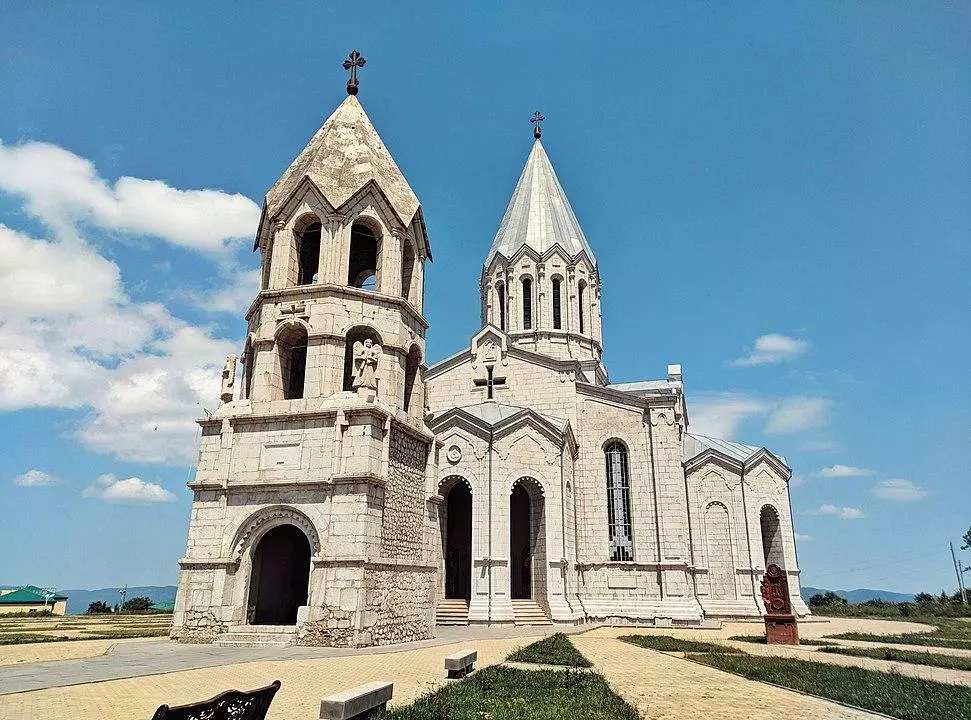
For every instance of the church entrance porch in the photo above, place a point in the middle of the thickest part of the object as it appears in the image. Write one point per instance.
(279, 578)
(527, 542)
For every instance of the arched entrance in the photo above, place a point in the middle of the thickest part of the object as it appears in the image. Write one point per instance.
(280, 576)
(527, 541)
(457, 542)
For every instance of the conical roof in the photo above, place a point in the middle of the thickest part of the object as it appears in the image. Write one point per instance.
(539, 216)
(341, 158)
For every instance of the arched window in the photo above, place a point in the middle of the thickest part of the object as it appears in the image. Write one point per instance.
(527, 303)
(557, 314)
(362, 268)
(308, 254)
(501, 302)
(581, 287)
(619, 525)
(412, 366)
(249, 361)
(772, 549)
(354, 335)
(407, 268)
(291, 345)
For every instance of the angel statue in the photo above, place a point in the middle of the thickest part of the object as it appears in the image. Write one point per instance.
(366, 356)
(228, 380)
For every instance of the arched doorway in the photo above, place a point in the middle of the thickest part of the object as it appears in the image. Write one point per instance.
(280, 576)
(457, 542)
(520, 547)
(773, 552)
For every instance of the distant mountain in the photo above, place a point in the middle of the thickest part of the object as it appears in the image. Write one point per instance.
(855, 597)
(78, 600)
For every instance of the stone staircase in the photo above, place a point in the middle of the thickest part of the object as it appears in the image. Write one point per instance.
(528, 612)
(267, 636)
(452, 612)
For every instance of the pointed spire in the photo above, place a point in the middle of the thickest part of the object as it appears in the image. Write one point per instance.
(539, 215)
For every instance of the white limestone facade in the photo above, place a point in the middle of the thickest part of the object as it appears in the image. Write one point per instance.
(348, 491)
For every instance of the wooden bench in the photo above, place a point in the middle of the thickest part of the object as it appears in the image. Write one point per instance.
(230, 705)
(460, 664)
(357, 703)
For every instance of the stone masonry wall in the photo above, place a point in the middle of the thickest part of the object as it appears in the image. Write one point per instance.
(397, 602)
(403, 522)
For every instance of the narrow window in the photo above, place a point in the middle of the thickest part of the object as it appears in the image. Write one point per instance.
(501, 298)
(557, 315)
(308, 250)
(407, 269)
(363, 262)
(249, 360)
(580, 288)
(527, 304)
(619, 526)
(412, 365)
(292, 356)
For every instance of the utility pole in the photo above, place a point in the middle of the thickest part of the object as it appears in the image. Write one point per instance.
(960, 573)
(123, 592)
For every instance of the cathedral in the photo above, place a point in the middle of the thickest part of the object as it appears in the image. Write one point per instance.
(348, 493)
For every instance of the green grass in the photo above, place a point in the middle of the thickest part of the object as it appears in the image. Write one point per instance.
(665, 643)
(28, 638)
(761, 640)
(949, 633)
(554, 650)
(501, 693)
(889, 693)
(124, 634)
(914, 657)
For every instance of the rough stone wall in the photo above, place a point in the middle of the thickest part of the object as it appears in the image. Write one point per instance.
(397, 606)
(198, 627)
(403, 522)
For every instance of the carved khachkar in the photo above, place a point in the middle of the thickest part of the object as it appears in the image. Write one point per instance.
(780, 623)
(229, 379)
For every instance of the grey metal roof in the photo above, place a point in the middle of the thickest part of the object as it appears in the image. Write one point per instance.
(695, 444)
(644, 386)
(539, 215)
(341, 158)
(493, 413)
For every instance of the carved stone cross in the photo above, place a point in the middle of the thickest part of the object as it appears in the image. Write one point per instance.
(490, 382)
(354, 61)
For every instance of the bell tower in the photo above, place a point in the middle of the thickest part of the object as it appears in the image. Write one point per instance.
(326, 433)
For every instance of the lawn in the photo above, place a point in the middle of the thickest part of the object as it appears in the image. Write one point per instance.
(895, 695)
(25, 630)
(554, 650)
(760, 639)
(950, 633)
(501, 693)
(914, 657)
(665, 643)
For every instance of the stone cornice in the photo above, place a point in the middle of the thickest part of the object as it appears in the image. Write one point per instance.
(302, 292)
(668, 400)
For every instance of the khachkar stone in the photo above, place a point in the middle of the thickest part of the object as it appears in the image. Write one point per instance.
(780, 622)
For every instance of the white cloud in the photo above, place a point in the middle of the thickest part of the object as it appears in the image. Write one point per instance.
(62, 190)
(798, 413)
(720, 414)
(843, 513)
(133, 491)
(35, 478)
(772, 348)
(234, 296)
(803, 538)
(797, 480)
(844, 471)
(899, 490)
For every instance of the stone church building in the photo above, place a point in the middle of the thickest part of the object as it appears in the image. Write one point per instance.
(348, 493)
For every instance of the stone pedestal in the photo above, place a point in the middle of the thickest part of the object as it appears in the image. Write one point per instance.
(781, 630)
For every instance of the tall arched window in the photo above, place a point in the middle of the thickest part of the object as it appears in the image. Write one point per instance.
(292, 358)
(619, 525)
(557, 314)
(412, 366)
(308, 254)
(501, 303)
(527, 303)
(249, 361)
(362, 266)
(407, 268)
(581, 287)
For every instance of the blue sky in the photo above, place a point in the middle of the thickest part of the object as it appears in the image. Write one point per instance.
(779, 195)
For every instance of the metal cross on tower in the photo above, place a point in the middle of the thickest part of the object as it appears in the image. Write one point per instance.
(354, 61)
(536, 120)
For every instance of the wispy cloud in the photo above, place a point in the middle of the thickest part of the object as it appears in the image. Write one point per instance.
(899, 490)
(720, 414)
(843, 471)
(132, 491)
(770, 349)
(843, 513)
(35, 478)
(803, 538)
(795, 414)
(817, 446)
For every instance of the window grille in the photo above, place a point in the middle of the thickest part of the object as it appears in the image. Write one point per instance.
(527, 304)
(619, 526)
(557, 319)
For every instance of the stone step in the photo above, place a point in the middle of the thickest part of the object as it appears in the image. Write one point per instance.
(256, 637)
(452, 612)
(263, 629)
(528, 612)
(222, 642)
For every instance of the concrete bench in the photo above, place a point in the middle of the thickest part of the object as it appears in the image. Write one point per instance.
(459, 664)
(357, 703)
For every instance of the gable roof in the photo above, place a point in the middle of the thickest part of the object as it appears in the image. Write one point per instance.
(492, 413)
(695, 445)
(539, 215)
(27, 595)
(341, 158)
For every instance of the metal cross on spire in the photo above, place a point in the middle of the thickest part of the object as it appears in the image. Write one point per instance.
(536, 120)
(354, 61)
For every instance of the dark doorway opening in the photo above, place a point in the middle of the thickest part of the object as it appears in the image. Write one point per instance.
(520, 547)
(280, 575)
(458, 543)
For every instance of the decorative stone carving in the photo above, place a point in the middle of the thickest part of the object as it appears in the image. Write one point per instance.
(454, 454)
(780, 623)
(275, 516)
(228, 380)
(366, 356)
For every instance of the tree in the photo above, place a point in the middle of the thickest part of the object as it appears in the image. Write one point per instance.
(827, 599)
(923, 597)
(967, 540)
(99, 606)
(137, 604)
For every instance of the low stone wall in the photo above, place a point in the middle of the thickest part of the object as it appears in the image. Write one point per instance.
(198, 627)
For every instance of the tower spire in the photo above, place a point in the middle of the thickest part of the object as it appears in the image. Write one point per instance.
(354, 61)
(537, 128)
